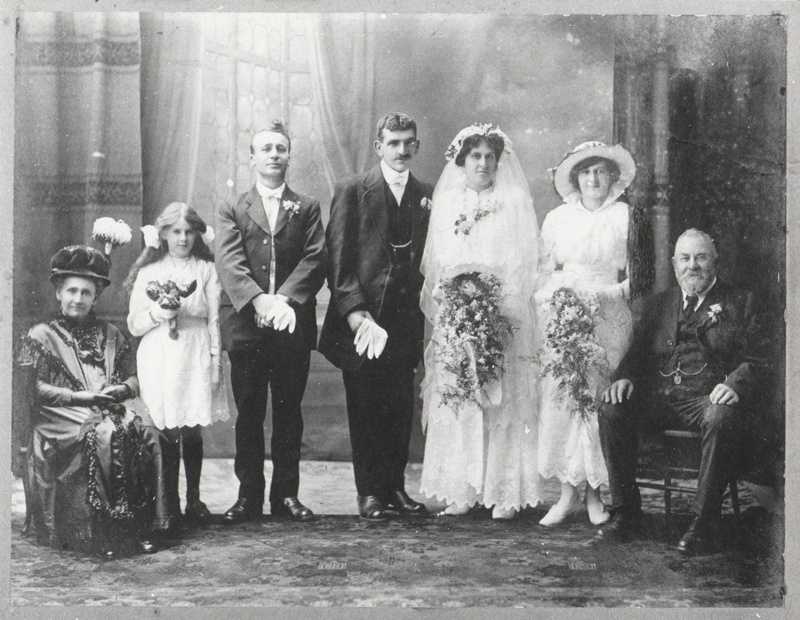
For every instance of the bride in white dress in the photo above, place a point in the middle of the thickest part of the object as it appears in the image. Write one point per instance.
(480, 421)
(584, 248)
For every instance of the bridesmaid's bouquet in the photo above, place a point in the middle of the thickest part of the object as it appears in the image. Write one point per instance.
(168, 295)
(573, 348)
(474, 334)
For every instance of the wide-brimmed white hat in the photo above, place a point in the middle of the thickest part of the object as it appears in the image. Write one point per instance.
(617, 154)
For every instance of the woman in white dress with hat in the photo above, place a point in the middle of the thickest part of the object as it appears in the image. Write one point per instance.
(583, 320)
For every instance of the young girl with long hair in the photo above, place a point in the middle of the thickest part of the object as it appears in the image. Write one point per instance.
(180, 377)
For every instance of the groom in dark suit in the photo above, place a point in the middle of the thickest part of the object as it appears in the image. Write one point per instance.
(376, 235)
(696, 363)
(270, 257)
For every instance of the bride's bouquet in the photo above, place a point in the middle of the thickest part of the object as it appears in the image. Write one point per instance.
(168, 295)
(474, 334)
(573, 348)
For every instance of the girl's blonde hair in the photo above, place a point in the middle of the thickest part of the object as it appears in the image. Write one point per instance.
(168, 218)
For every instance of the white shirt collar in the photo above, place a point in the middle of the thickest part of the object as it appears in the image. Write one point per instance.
(265, 191)
(700, 296)
(392, 176)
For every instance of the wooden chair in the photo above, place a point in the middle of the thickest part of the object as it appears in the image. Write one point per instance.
(681, 461)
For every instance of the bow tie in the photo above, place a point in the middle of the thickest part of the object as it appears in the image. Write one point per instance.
(273, 193)
(399, 181)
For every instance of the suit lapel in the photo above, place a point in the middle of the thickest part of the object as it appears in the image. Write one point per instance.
(375, 203)
(255, 209)
(417, 216)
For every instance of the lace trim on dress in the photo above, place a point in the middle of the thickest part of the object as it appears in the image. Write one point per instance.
(88, 336)
(49, 367)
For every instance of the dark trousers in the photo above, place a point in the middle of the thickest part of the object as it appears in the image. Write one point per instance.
(722, 428)
(277, 365)
(380, 411)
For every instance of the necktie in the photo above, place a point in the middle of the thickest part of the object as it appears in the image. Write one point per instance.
(691, 302)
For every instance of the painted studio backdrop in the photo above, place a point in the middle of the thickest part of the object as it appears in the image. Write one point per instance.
(118, 114)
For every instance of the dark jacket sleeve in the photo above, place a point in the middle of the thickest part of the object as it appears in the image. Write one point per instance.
(230, 258)
(309, 275)
(753, 351)
(342, 236)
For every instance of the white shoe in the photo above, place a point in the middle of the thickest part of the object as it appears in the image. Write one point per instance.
(559, 512)
(598, 514)
(454, 510)
(503, 513)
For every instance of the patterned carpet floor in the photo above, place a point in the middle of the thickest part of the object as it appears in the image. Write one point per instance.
(470, 561)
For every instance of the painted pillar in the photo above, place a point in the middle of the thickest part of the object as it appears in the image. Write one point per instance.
(661, 219)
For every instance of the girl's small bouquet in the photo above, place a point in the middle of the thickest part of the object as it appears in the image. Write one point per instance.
(474, 334)
(573, 348)
(168, 295)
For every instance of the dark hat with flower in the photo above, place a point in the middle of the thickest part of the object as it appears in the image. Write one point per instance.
(83, 261)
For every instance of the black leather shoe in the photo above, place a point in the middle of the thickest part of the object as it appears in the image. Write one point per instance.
(623, 527)
(400, 501)
(197, 511)
(292, 509)
(698, 538)
(371, 508)
(243, 510)
(147, 547)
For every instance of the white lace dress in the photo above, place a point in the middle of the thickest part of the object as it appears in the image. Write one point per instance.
(175, 375)
(590, 247)
(486, 453)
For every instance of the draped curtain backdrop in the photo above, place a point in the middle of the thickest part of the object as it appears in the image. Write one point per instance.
(547, 81)
(171, 68)
(343, 76)
(78, 151)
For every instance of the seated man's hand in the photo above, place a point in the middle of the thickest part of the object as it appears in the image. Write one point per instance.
(618, 392)
(723, 395)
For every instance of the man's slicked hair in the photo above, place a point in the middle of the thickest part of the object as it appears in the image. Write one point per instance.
(396, 121)
(276, 126)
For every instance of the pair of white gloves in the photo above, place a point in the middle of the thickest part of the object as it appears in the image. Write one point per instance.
(274, 311)
(370, 338)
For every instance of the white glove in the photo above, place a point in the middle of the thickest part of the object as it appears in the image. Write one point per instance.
(620, 290)
(159, 314)
(282, 316)
(371, 338)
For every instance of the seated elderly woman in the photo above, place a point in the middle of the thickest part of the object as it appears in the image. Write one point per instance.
(93, 462)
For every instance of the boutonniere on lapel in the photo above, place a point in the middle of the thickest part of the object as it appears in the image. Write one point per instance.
(291, 207)
(714, 313)
(426, 204)
(713, 316)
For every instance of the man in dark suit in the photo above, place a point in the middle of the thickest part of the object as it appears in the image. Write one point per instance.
(696, 363)
(270, 257)
(376, 235)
